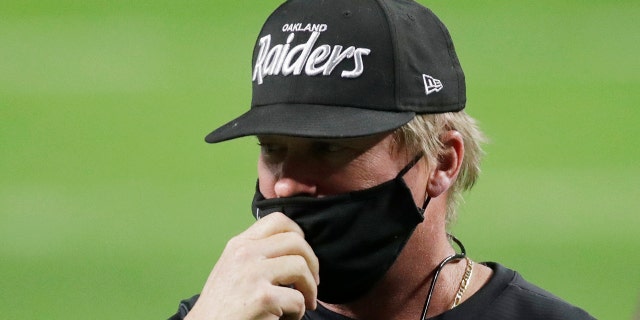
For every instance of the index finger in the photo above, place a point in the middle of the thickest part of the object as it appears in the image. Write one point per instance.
(272, 224)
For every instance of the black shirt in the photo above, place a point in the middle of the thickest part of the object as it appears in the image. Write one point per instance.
(506, 296)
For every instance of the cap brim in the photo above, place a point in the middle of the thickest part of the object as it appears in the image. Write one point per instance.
(316, 121)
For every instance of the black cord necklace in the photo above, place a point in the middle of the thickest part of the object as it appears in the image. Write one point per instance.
(457, 256)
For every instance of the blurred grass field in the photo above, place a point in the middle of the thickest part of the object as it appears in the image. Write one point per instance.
(113, 207)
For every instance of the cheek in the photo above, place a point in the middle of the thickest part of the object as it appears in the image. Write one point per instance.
(372, 170)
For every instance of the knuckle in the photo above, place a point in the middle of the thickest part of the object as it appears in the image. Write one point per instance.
(294, 238)
(238, 248)
(233, 243)
(311, 255)
(281, 219)
(299, 302)
(275, 217)
(266, 298)
(241, 253)
(296, 305)
(299, 264)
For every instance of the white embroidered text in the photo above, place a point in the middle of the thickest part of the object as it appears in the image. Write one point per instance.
(282, 59)
(299, 27)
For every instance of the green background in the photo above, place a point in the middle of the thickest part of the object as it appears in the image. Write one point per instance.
(113, 207)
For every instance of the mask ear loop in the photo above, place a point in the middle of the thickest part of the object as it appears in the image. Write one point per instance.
(457, 256)
(424, 205)
(405, 170)
(409, 165)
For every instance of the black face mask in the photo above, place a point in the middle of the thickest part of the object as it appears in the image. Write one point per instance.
(356, 236)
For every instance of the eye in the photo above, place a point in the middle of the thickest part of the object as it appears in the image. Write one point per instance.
(325, 147)
(270, 148)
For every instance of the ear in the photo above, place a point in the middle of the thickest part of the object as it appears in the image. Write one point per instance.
(448, 164)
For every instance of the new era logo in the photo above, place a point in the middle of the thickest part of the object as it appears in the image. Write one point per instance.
(431, 84)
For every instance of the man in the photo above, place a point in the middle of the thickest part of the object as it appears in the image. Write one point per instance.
(357, 107)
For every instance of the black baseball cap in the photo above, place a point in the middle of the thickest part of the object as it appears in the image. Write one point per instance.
(348, 68)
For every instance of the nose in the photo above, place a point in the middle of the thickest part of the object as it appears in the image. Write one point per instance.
(289, 187)
(295, 179)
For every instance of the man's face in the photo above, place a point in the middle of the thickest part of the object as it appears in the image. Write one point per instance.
(290, 166)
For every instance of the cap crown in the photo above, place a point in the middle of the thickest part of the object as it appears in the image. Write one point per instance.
(388, 55)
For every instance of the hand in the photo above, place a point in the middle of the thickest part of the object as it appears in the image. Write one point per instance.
(267, 272)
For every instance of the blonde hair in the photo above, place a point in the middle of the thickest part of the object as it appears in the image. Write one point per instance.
(422, 134)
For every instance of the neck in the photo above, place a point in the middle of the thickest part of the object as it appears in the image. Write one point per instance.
(401, 293)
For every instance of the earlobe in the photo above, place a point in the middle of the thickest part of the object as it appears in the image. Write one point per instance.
(448, 164)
